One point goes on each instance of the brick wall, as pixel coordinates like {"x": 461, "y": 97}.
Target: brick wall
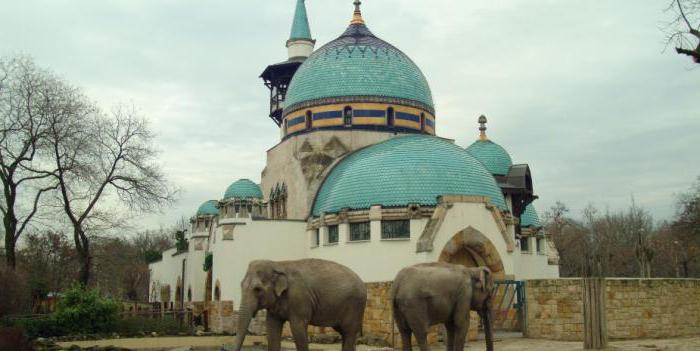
{"x": 636, "y": 308}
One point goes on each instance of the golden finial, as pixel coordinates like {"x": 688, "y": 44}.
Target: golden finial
{"x": 482, "y": 128}
{"x": 357, "y": 16}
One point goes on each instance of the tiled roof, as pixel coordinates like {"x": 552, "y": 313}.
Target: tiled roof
{"x": 208, "y": 208}
{"x": 405, "y": 170}
{"x": 530, "y": 218}
{"x": 300, "y": 25}
{"x": 243, "y": 188}
{"x": 358, "y": 64}
{"x": 492, "y": 155}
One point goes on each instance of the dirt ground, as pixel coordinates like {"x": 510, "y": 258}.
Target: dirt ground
{"x": 503, "y": 343}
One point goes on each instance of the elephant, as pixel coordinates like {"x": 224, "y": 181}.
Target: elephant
{"x": 431, "y": 293}
{"x": 303, "y": 292}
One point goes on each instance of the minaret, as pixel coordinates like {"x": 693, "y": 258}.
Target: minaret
{"x": 278, "y": 76}
{"x": 300, "y": 44}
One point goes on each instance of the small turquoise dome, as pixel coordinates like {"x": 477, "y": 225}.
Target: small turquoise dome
{"x": 358, "y": 64}
{"x": 530, "y": 218}
{"x": 494, "y": 157}
{"x": 405, "y": 170}
{"x": 243, "y": 188}
{"x": 208, "y": 209}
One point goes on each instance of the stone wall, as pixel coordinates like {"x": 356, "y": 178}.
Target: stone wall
{"x": 636, "y": 308}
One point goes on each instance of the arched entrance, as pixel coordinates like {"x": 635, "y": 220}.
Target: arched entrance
{"x": 471, "y": 248}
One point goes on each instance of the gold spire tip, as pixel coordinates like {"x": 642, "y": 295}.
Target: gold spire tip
{"x": 357, "y": 15}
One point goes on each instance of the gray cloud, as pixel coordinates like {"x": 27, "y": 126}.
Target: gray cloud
{"x": 580, "y": 90}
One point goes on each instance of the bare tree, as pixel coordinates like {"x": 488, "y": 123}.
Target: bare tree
{"x": 685, "y": 230}
{"x": 28, "y": 97}
{"x": 103, "y": 161}
{"x": 684, "y": 29}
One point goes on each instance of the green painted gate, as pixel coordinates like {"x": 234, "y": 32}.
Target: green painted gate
{"x": 509, "y": 305}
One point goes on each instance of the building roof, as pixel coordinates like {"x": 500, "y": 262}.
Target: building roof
{"x": 208, "y": 208}
{"x": 358, "y": 64}
{"x": 494, "y": 157}
{"x": 402, "y": 171}
{"x": 300, "y": 24}
{"x": 243, "y": 188}
{"x": 530, "y": 218}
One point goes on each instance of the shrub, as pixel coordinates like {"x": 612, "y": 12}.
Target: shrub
{"x": 82, "y": 310}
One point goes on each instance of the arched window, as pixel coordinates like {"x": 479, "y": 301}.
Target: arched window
{"x": 308, "y": 119}
{"x": 189, "y": 294}
{"x": 217, "y": 292}
{"x": 347, "y": 116}
{"x": 390, "y": 117}
{"x": 422, "y": 121}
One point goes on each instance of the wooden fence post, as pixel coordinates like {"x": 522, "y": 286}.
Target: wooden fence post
{"x": 595, "y": 328}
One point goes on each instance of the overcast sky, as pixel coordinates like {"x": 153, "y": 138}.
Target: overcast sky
{"x": 580, "y": 90}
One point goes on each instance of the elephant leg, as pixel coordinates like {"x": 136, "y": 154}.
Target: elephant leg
{"x": 299, "y": 332}
{"x": 450, "y": 337}
{"x": 274, "y": 333}
{"x": 461, "y": 328}
{"x": 420, "y": 331}
{"x": 405, "y": 332}
{"x": 350, "y": 332}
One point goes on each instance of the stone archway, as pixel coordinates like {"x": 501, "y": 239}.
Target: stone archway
{"x": 471, "y": 248}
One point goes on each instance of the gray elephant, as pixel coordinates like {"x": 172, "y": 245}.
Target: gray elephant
{"x": 304, "y": 292}
{"x": 431, "y": 293}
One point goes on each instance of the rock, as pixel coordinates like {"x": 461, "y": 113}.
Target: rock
{"x": 154, "y": 334}
{"x": 326, "y": 339}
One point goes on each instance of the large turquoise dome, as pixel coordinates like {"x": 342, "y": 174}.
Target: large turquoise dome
{"x": 358, "y": 64}
{"x": 494, "y": 157}
{"x": 243, "y": 188}
{"x": 405, "y": 170}
{"x": 208, "y": 209}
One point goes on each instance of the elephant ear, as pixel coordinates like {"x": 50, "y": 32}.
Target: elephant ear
{"x": 281, "y": 282}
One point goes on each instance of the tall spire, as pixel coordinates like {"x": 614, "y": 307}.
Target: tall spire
{"x": 300, "y": 45}
{"x": 482, "y": 128}
{"x": 357, "y": 15}
{"x": 300, "y": 25}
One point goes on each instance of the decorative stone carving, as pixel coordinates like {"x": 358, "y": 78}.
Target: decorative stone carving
{"x": 314, "y": 160}
{"x": 228, "y": 231}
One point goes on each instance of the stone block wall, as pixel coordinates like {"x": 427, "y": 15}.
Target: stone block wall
{"x": 636, "y": 308}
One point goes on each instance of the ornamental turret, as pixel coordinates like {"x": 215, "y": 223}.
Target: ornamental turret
{"x": 278, "y": 76}
{"x": 300, "y": 44}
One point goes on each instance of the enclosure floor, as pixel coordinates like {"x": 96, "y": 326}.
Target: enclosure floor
{"x": 504, "y": 342}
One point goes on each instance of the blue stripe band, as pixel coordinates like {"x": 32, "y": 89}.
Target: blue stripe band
{"x": 407, "y": 116}
{"x": 327, "y": 115}
{"x": 294, "y": 121}
{"x": 369, "y": 113}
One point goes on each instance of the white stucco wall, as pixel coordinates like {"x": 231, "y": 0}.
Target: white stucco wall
{"x": 376, "y": 260}
{"x": 532, "y": 264}
{"x": 259, "y": 239}
{"x": 165, "y": 271}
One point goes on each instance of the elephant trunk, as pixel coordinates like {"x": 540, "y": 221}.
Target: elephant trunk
{"x": 487, "y": 320}
{"x": 249, "y": 305}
